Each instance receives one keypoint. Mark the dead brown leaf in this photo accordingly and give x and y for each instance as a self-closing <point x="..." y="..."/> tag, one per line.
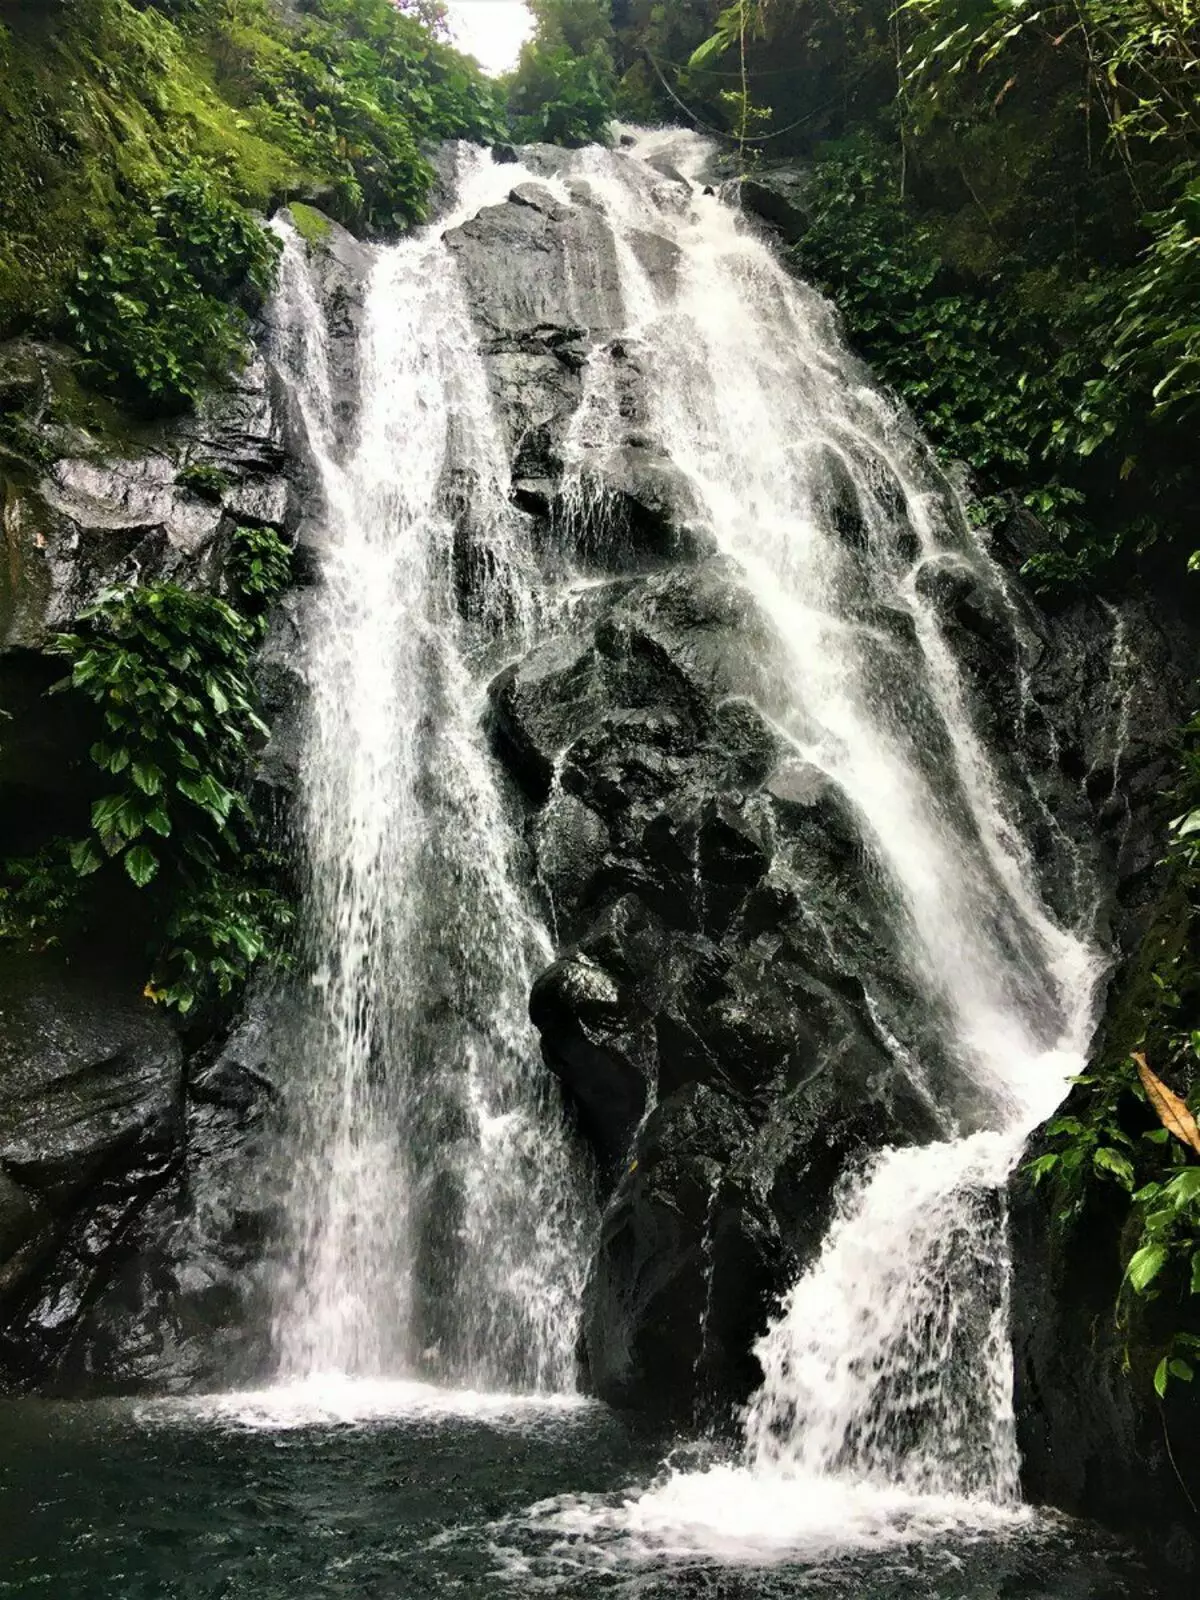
<point x="1171" y="1110"/>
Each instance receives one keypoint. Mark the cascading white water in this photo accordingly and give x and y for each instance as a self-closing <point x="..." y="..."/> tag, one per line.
<point x="436" y="1223"/>
<point x="887" y="1389"/>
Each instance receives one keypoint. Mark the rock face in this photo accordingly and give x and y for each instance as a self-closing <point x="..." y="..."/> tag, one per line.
<point x="91" y="1112"/>
<point x="1095" y="1441"/>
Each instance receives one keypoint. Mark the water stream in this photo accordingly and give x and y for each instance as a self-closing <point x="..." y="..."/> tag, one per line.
<point x="438" y="1221"/>
<point x="887" y="1395"/>
<point x="438" y="1227"/>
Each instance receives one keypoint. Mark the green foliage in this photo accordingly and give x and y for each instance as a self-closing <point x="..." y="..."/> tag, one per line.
<point x="38" y="895"/>
<point x="1161" y="1237"/>
<point x="136" y="139"/>
<point x="206" y="482"/>
<point x="556" y="98"/>
<point x="563" y="89"/>
<point x="1158" y="326"/>
<point x="168" y="672"/>
<point x="156" y="314"/>
<point x="1037" y="399"/>
<point x="973" y="369"/>
<point x="258" y="567"/>
<point x="351" y="92"/>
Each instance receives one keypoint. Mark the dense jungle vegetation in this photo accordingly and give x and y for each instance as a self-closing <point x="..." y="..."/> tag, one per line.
<point x="139" y="138"/>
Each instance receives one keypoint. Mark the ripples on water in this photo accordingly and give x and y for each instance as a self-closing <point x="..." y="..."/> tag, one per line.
<point x="404" y="1492"/>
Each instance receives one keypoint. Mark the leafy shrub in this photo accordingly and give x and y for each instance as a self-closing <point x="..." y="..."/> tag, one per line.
<point x="563" y="91"/>
<point x="1123" y="1128"/>
<point x="352" y="91"/>
<point x="259" y="566"/>
<point x="168" y="671"/>
<point x="206" y="482"/>
<point x="558" y="98"/>
<point x="39" y="894"/>
<point x="157" y="314"/>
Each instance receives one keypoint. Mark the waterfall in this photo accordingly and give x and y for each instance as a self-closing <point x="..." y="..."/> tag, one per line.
<point x="436" y="1224"/>
<point x="887" y="1389"/>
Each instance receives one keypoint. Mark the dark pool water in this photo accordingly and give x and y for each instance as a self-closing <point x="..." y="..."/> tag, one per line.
<point x="248" y="1499"/>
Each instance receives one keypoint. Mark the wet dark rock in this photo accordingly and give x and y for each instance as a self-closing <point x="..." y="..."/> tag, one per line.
<point x="340" y="266"/>
<point x="102" y="1150"/>
<point x="646" y="1299"/>
<point x="539" y="199"/>
<point x="518" y="262"/>
<point x="224" y="1213"/>
<point x="667" y="169"/>
<point x="591" y="1044"/>
<point x="644" y="516"/>
<point x="279" y="676"/>
<point x="1109" y="681"/>
<point x="82" y="1078"/>
<point x="1095" y="1440"/>
<point x="91" y="1112"/>
<point x="780" y="196"/>
<point x="696" y="876"/>
<point x="96" y="510"/>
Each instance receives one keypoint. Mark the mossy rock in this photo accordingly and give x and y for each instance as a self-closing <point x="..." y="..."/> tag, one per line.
<point x="313" y="226"/>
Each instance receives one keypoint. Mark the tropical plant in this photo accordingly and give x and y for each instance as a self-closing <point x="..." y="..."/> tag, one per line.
<point x="562" y="91"/>
<point x="168" y="670"/>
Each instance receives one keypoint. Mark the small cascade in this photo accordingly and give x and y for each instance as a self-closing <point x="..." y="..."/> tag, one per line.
<point x="436" y="1223"/>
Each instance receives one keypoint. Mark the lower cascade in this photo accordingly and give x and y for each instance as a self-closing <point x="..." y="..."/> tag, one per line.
<point x="438" y="1220"/>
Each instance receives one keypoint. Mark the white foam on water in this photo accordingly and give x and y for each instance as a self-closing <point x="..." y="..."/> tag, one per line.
<point x="335" y="1400"/>
<point x="731" y="1515"/>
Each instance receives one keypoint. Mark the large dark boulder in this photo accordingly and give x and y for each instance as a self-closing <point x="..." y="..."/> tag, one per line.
<point x="91" y="1115"/>
<point x="780" y="196"/>
<point x="714" y="924"/>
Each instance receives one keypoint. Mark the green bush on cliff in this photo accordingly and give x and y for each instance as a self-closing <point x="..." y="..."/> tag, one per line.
<point x="562" y="91"/>
<point x="136" y="140"/>
<point x="158" y="313"/>
<point x="168" y="671"/>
